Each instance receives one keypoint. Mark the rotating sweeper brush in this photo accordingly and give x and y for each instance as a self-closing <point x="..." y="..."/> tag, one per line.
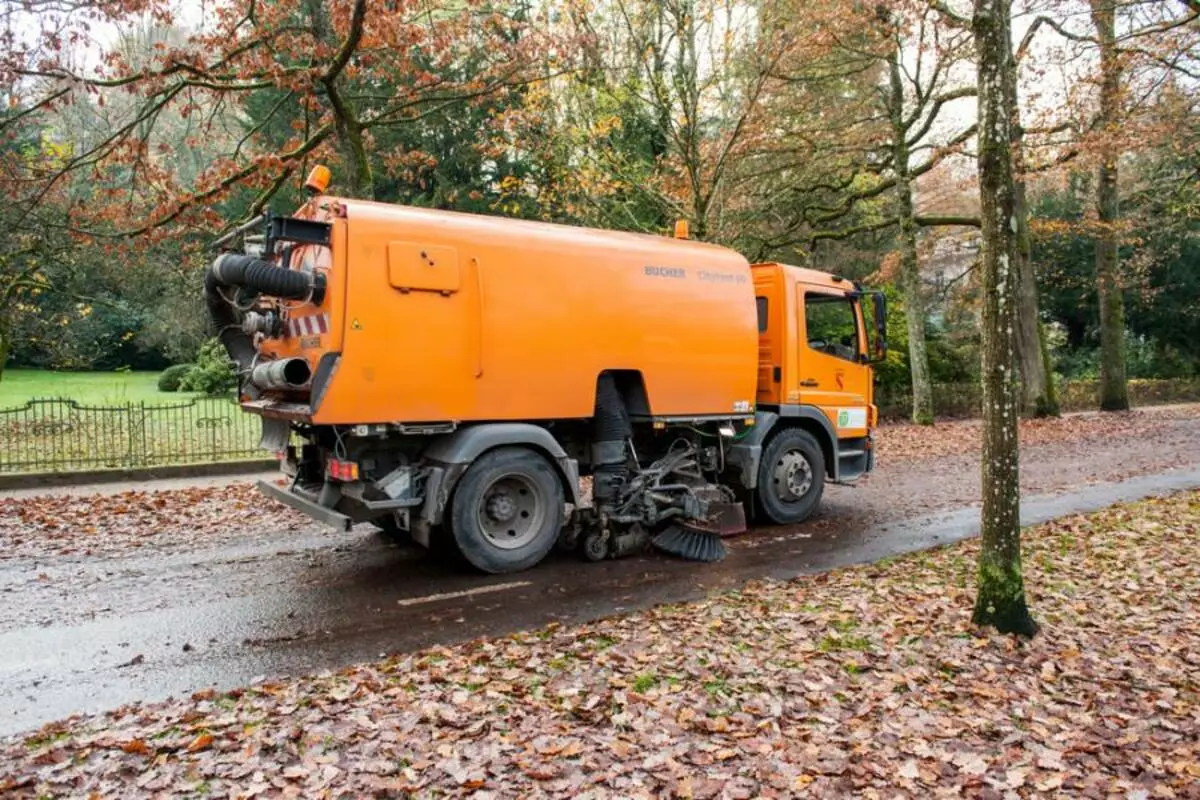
<point x="690" y="543"/>
<point x="700" y="540"/>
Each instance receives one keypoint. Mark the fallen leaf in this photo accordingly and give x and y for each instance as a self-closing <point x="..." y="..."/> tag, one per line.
<point x="137" y="746"/>
<point x="201" y="742"/>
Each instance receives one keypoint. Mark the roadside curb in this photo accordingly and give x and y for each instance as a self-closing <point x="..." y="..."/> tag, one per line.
<point x="51" y="480"/>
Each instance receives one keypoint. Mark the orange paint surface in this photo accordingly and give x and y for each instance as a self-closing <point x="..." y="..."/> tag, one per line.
<point x="441" y="316"/>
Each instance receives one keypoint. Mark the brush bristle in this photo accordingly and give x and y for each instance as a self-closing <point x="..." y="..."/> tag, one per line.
<point x="691" y="544"/>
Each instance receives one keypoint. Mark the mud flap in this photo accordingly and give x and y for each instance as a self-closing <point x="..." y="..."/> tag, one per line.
<point x="275" y="434"/>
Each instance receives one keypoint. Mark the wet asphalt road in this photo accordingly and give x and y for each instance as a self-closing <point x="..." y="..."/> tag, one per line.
<point x="91" y="634"/>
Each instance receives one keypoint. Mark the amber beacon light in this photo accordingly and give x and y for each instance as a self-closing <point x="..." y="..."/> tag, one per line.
<point x="318" y="179"/>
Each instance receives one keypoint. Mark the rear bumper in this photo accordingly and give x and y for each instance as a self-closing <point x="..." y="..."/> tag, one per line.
<point x="293" y="412"/>
<point x="305" y="506"/>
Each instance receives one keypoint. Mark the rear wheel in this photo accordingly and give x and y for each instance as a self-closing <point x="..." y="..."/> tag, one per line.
<point x="507" y="510"/>
<point x="791" y="477"/>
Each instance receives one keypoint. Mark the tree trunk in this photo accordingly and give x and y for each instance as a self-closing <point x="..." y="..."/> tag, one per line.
<point x="910" y="269"/>
<point x="358" y="181"/>
<point x="1039" y="396"/>
<point x="1114" y="394"/>
<point x="1000" y="601"/>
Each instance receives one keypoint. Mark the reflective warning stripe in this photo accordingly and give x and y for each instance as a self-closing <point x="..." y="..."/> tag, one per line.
<point x="310" y="325"/>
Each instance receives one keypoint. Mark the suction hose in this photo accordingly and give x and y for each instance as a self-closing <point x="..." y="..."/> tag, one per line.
<point x="254" y="273"/>
<point x="288" y="373"/>
<point x="237" y="271"/>
<point x="610" y="429"/>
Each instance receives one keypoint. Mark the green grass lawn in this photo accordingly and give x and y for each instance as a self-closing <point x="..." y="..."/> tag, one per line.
<point x="101" y="432"/>
<point x="87" y="388"/>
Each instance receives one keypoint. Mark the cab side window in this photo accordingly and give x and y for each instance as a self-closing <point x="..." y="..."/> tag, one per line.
<point x="831" y="325"/>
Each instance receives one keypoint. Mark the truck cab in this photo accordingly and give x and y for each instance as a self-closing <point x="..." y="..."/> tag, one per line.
<point x="815" y="350"/>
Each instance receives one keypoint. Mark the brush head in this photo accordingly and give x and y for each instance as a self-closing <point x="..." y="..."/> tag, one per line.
<point x="694" y="545"/>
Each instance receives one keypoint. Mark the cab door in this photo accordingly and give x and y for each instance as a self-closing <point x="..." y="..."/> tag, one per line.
<point x="833" y="374"/>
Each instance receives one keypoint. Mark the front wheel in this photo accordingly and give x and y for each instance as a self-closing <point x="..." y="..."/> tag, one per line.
<point x="507" y="510"/>
<point x="791" y="477"/>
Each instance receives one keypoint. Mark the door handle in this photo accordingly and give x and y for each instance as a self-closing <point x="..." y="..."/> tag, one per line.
<point x="809" y="383"/>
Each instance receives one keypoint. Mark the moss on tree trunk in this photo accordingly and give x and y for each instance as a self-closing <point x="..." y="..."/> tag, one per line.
<point x="1000" y="601"/>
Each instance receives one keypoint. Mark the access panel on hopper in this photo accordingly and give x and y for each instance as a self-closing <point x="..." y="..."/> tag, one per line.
<point x="413" y="266"/>
<point x="411" y="333"/>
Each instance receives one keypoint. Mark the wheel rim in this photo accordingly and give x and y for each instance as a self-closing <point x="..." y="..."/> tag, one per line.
<point x="511" y="511"/>
<point x="793" y="476"/>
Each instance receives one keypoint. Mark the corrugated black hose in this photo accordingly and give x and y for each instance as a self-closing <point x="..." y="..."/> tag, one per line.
<point x="610" y="429"/>
<point x="241" y="271"/>
<point x="256" y="274"/>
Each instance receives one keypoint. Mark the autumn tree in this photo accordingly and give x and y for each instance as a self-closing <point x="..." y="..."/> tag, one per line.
<point x="1159" y="204"/>
<point x="177" y="127"/>
<point x="899" y="132"/>
<point x="1000" y="600"/>
<point x="28" y="241"/>
<point x="1039" y="395"/>
<point x="340" y="74"/>
<point x="1131" y="54"/>
<point x="687" y="109"/>
<point x="1114" y="394"/>
<point x="913" y="101"/>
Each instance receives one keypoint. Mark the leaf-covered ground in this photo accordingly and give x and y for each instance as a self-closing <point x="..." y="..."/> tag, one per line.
<point x="109" y="524"/>
<point x="868" y="681"/>
<point x="953" y="437"/>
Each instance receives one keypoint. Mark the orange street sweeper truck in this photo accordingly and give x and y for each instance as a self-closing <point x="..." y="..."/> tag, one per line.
<point x="502" y="387"/>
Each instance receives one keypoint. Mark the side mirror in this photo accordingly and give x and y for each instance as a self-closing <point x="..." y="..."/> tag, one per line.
<point x="879" y="340"/>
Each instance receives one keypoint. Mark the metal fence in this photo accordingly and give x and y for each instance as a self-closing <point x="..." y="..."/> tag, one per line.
<point x="59" y="435"/>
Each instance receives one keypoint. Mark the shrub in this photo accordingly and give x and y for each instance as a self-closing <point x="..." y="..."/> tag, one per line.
<point x="213" y="373"/>
<point x="171" y="377"/>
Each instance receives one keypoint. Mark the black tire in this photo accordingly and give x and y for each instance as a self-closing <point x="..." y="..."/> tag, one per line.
<point x="507" y="510"/>
<point x="594" y="547"/>
<point x="791" y="477"/>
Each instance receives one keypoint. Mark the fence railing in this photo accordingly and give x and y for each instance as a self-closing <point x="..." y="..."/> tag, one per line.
<point x="964" y="399"/>
<point x="59" y="435"/>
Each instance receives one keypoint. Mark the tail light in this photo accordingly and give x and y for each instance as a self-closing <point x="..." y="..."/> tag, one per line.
<point x="341" y="470"/>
